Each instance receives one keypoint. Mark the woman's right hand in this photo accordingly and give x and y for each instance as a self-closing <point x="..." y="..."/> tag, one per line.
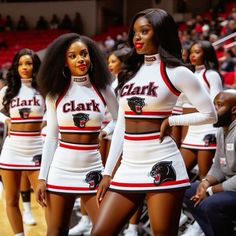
<point x="102" y="188"/>
<point x="40" y="193"/>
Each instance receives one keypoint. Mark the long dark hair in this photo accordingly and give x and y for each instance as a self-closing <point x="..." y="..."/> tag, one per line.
<point x="165" y="36"/>
<point x="53" y="77"/>
<point x="14" y="79"/>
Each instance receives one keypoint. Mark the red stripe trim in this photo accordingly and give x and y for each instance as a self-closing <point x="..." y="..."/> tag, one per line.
<point x="142" y="138"/>
<point x="78" y="147"/>
<point x="22" y="134"/>
<point x="99" y="94"/>
<point x="67" y="188"/>
<point x="18" y="165"/>
<point x="205" y="79"/>
<point x="150" y="184"/>
<point x="30" y="117"/>
<point x="78" y="128"/>
<point x="167" y="80"/>
<point x="149" y="113"/>
<point x="62" y="95"/>
<point x="198" y="145"/>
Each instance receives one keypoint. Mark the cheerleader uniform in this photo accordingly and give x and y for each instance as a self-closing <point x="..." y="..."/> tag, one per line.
<point x="147" y="164"/>
<point x="203" y="137"/>
<point x="23" y="150"/>
<point x="73" y="167"/>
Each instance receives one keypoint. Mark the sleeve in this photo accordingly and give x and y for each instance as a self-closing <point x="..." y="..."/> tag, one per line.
<point x="3" y="117"/>
<point x="215" y="83"/>
<point x="185" y="81"/>
<point x="112" y="105"/>
<point x="51" y="139"/>
<point x="116" y="144"/>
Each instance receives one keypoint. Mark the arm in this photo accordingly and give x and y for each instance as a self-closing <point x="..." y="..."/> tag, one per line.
<point x="185" y="81"/>
<point x="215" y="83"/>
<point x="112" y="106"/>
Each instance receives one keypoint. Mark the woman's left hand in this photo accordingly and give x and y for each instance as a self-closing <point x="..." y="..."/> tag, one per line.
<point x="165" y="129"/>
<point x="102" y="135"/>
<point x="102" y="188"/>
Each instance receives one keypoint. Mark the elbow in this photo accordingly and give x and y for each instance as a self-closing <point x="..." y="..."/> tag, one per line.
<point x="212" y="118"/>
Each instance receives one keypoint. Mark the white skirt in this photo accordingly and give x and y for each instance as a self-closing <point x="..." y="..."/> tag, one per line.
<point x="148" y="165"/>
<point x="202" y="137"/>
<point x="75" y="168"/>
<point x="22" y="151"/>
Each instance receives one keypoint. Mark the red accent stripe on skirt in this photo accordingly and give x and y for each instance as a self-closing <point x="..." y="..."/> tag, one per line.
<point x="199" y="145"/>
<point x="18" y="165"/>
<point x="183" y="181"/>
<point x="68" y="188"/>
<point x="142" y="138"/>
<point x="78" y="147"/>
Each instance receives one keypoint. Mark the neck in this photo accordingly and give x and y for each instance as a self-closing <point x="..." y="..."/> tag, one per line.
<point x="27" y="82"/>
<point x="151" y="59"/>
<point x="199" y="67"/>
<point x="82" y="80"/>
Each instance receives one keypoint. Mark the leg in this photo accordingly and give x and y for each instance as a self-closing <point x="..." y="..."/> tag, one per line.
<point x="90" y="206"/>
<point x="103" y="150"/>
<point x="189" y="157"/>
<point x="115" y="211"/>
<point x="164" y="212"/>
<point x="204" y="160"/>
<point x="11" y="181"/>
<point x="58" y="213"/>
<point x="25" y="195"/>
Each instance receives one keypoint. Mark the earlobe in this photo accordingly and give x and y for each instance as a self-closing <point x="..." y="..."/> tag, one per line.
<point x="233" y="109"/>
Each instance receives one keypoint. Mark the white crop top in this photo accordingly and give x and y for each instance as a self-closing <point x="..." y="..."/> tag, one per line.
<point x="80" y="109"/>
<point x="158" y="88"/>
<point x="27" y="106"/>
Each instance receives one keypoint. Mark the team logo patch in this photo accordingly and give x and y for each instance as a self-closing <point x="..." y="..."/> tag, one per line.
<point x="136" y="104"/>
<point x="93" y="178"/>
<point x="209" y="139"/>
<point x="24" y="112"/>
<point x="37" y="159"/>
<point x="162" y="172"/>
<point x="80" y="119"/>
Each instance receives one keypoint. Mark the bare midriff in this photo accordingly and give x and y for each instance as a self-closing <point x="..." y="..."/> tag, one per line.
<point x="189" y="110"/>
<point x="26" y="127"/>
<point x="80" y="138"/>
<point x="142" y="125"/>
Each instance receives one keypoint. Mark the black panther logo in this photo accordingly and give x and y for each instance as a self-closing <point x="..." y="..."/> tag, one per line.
<point x="136" y="104"/>
<point x="80" y="119"/>
<point x="24" y="112"/>
<point x="162" y="172"/>
<point x="37" y="159"/>
<point x="93" y="178"/>
<point x="209" y="139"/>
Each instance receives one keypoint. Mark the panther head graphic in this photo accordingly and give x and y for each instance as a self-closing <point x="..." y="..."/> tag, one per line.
<point x="80" y="119"/>
<point x="162" y="172"/>
<point x="136" y="104"/>
<point x="37" y="159"/>
<point x="24" y="112"/>
<point x="93" y="178"/>
<point x="209" y="139"/>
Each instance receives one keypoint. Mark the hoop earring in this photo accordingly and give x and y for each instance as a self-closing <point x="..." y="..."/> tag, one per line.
<point x="63" y="72"/>
<point x="91" y="66"/>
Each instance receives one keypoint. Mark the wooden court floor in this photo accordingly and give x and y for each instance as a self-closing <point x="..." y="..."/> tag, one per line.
<point x="37" y="230"/>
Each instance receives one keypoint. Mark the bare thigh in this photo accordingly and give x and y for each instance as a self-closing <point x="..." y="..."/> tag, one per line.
<point x="115" y="211"/>
<point x="189" y="157"/>
<point x="90" y="205"/>
<point x="164" y="212"/>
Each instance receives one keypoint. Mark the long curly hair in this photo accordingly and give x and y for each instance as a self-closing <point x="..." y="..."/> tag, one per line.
<point x="53" y="77"/>
<point x="166" y="38"/>
<point x="14" y="79"/>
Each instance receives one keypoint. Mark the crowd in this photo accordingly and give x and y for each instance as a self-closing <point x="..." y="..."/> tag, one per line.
<point x="127" y="121"/>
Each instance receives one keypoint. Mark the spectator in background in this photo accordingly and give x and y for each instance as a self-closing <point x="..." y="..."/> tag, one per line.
<point x="22" y="24"/>
<point x="2" y="23"/>
<point x="66" y="22"/>
<point x="109" y="43"/>
<point x="42" y="23"/>
<point x="54" y="22"/>
<point x="77" y="24"/>
<point x="228" y="61"/>
<point x="9" y="23"/>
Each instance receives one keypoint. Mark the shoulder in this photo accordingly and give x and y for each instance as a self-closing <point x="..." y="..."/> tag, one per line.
<point x="212" y="73"/>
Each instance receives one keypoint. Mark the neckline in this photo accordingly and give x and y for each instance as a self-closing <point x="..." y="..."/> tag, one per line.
<point x="81" y="80"/>
<point x="27" y="82"/>
<point x="151" y="59"/>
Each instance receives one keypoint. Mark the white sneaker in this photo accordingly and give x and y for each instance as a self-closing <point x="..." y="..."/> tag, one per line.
<point x="193" y="230"/>
<point x="28" y="218"/>
<point x="130" y="232"/>
<point x="83" y="227"/>
<point x="183" y="219"/>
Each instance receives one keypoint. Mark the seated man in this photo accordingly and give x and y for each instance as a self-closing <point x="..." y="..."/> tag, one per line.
<point x="212" y="202"/>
